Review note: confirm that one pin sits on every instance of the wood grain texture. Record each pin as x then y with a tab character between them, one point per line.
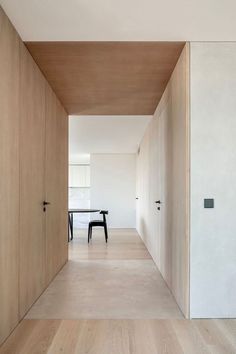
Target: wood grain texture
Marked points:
174	262
122	336
103	78
166	232
22	188
32	181
56	184
9	167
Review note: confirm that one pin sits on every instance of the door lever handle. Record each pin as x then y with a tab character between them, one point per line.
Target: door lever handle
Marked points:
158	202
44	205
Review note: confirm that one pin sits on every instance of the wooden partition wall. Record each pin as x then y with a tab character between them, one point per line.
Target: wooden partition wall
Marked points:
9	179
163	176
33	165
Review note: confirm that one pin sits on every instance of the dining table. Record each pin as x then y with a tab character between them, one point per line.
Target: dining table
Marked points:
71	213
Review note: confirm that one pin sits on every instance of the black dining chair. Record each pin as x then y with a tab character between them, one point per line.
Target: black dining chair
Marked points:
102	223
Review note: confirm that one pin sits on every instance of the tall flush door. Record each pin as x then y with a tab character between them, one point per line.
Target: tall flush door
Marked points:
32	162
166	193
56	178
155	189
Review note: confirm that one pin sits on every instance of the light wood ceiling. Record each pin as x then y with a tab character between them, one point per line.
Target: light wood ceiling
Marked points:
107	78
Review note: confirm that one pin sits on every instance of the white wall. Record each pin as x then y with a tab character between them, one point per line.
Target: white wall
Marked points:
213	175
113	187
163	174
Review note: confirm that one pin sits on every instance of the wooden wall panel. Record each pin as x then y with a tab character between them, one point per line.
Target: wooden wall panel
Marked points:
9	179
32	183
107	78
164	176
23	247
56	184
179	182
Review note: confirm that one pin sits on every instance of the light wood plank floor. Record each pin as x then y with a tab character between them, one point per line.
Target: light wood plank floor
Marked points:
123	337
76	315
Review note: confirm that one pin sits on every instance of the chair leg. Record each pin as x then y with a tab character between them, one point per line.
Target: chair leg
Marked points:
91	231
106	233
68	227
88	234
72	226
70	222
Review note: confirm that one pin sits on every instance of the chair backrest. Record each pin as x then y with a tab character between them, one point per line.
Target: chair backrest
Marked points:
104	213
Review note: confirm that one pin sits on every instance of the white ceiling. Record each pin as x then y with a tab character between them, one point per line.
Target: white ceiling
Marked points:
105	134
123	20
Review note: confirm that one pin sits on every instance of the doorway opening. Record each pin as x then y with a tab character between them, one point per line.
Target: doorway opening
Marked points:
132	128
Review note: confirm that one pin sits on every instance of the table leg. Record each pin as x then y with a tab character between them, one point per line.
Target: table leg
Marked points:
68	227
71	226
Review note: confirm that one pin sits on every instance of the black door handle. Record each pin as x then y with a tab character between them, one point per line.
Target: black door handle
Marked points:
158	202
44	205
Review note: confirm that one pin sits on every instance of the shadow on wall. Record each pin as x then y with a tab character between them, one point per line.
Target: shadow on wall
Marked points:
143	230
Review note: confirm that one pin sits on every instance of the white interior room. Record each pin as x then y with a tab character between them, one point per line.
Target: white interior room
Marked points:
102	166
